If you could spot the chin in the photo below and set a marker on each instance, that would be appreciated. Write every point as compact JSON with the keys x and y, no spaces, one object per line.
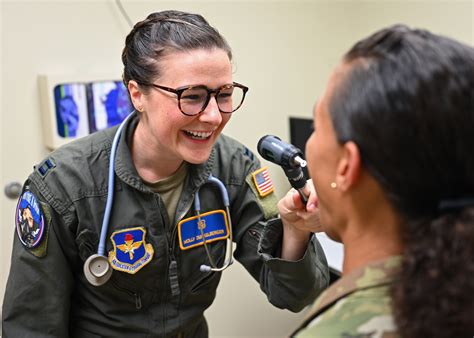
{"x":333,"y":235}
{"x":197,"y":157}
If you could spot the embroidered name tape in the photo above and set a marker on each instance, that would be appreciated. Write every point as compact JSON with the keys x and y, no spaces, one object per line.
{"x":262,"y":181}
{"x":213,"y":224}
{"x":130,"y":252}
{"x":29,"y":219}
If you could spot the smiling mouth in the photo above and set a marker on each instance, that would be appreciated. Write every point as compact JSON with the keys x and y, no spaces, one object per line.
{"x":198,"y":135}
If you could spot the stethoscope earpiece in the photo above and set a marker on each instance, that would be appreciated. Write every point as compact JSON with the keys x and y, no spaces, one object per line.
{"x":97,"y":270}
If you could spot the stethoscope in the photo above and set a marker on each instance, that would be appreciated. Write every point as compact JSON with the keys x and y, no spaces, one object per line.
{"x":97,"y":269}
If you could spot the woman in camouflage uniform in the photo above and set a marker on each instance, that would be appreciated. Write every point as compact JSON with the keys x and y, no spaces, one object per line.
{"x":391,"y":160}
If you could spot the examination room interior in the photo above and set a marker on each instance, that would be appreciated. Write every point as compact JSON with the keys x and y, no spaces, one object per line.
{"x":282,"y":50}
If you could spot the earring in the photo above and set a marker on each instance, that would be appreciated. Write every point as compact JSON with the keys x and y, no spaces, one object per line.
{"x":333,"y":185}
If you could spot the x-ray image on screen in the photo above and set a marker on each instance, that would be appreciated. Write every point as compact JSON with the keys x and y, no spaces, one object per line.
{"x":109,"y":104}
{"x":71,"y":110}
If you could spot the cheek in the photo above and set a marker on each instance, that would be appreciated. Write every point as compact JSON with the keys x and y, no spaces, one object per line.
{"x":311,"y":154}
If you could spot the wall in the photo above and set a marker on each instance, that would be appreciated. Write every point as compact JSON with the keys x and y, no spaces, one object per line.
{"x":283,"y":50}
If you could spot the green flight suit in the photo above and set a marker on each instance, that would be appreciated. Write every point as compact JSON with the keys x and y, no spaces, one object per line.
{"x":357,"y":305}
{"x":47,"y":294}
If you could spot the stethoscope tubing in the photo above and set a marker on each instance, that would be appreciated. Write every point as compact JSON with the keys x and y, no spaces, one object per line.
{"x":110,"y":189}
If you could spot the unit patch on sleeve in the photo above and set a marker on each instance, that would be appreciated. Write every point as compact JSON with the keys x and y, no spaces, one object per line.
{"x":30,"y":220}
{"x":212,"y":224}
{"x":131,"y":252}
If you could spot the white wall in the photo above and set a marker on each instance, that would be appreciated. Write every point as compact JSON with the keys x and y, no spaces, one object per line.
{"x":283,"y":50}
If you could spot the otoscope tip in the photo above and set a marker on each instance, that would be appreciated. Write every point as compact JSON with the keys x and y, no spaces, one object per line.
{"x":300,"y":161}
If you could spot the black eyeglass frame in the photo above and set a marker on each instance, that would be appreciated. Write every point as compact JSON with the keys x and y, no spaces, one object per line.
{"x":179,"y":91}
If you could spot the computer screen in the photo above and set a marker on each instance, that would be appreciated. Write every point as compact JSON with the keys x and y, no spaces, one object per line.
{"x":72,"y":118}
{"x":108,"y":103}
{"x":300,"y":131}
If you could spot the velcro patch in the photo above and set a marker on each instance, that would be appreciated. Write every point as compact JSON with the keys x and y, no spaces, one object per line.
{"x":213,"y":224}
{"x":268,"y":202}
{"x":263,"y":182}
{"x":131,"y":252}
{"x":30,"y":220}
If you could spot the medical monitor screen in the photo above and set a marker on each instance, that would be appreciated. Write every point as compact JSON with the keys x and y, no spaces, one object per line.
{"x":108,"y":102}
{"x":70,"y":101}
{"x":300,"y":131}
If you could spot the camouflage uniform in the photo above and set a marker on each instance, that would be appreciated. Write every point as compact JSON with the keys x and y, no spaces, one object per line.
{"x":357,"y":305}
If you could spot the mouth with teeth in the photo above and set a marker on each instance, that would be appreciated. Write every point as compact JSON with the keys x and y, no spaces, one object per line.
{"x":198,"y":135}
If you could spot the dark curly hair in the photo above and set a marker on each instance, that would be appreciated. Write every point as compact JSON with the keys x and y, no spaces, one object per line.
{"x":407,"y":101}
{"x":162,"y":33}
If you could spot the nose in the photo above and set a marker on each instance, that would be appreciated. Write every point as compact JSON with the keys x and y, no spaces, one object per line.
{"x":212,"y":113}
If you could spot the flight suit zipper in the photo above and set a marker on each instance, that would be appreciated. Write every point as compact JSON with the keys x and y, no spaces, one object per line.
{"x":173,"y":265}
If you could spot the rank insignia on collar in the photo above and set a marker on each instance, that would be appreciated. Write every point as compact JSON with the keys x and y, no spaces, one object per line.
{"x":29,"y":219}
{"x":212,"y":224}
{"x":130,"y":252}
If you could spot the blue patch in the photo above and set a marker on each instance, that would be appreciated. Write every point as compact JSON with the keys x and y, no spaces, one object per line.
{"x":29,"y":219}
{"x":130,"y":252}
{"x":213,"y":223}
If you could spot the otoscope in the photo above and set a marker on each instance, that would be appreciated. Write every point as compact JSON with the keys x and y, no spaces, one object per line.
{"x":290,"y":158}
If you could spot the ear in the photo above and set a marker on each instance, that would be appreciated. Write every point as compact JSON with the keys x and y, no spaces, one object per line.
{"x":349,"y":166}
{"x":136,"y":95}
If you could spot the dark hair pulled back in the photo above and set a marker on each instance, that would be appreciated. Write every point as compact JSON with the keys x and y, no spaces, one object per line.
{"x":407,"y":101}
{"x":162,"y":33}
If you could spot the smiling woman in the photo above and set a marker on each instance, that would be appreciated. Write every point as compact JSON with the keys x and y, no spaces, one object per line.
{"x":156,"y":252}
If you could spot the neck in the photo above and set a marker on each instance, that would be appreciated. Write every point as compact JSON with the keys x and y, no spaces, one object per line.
{"x":375,"y":240}
{"x":373,"y":228}
{"x":151,"y":163}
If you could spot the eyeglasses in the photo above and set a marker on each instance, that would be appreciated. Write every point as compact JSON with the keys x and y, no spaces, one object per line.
{"x":193,"y":100}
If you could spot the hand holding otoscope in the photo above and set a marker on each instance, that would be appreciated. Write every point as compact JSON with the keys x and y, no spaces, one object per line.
{"x":290,"y":158}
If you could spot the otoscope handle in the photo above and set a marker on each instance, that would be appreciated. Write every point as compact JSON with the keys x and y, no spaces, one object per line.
{"x":297,"y":179}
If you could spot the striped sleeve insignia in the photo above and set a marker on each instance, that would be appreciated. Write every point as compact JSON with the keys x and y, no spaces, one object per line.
{"x":263,"y":182}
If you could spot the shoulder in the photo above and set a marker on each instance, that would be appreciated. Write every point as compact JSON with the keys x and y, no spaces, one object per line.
{"x":232,"y":153}
{"x":364,"y":313}
{"x":69,"y":171}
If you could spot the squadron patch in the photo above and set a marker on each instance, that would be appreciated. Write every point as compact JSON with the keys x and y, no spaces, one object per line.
{"x":213,"y":224}
{"x":130,"y":252}
{"x":30,"y":220}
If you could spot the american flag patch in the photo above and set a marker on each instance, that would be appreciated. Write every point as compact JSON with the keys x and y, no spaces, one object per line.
{"x":262,"y":181}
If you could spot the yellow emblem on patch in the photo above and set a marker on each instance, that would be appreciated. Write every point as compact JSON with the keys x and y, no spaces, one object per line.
{"x":262,"y":181}
{"x":131,"y":252}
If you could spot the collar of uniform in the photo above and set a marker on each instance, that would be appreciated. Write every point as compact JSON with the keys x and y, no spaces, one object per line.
{"x":124,"y":167}
{"x":376,"y":273}
{"x":126,"y":171}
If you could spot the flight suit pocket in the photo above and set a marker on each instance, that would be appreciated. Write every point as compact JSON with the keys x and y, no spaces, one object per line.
{"x":201,"y":279}
{"x":129,"y":295}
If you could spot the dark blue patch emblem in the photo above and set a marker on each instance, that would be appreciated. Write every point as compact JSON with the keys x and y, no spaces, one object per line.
{"x":130,"y":252}
{"x":213,"y":224}
{"x":29,"y":219}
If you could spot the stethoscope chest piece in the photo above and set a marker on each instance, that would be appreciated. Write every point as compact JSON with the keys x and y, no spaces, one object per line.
{"x":97,"y":270}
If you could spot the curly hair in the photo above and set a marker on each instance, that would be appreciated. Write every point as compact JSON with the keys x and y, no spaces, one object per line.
{"x":407,"y":101}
